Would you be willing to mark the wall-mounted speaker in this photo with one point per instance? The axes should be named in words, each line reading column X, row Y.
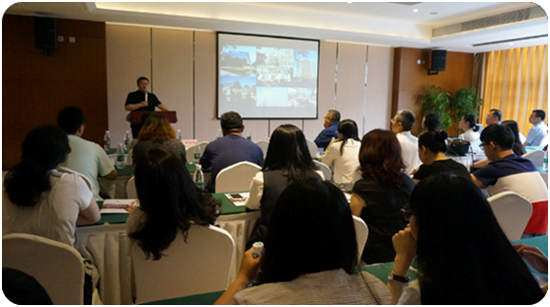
column 439, row 60
column 45, row 36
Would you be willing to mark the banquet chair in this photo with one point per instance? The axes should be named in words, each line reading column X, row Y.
column 56, row 266
column 131, row 191
column 361, row 234
column 129, row 159
column 536, row 156
column 190, row 152
column 199, row 264
column 312, row 147
column 512, row 212
column 236, row 178
column 263, row 144
column 544, row 177
column 325, row 169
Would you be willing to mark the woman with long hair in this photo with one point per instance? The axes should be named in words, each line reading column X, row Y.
column 287, row 160
column 468, row 124
column 463, row 256
column 169, row 202
column 156, row 132
column 431, row 151
column 47, row 200
column 381, row 193
column 341, row 154
column 310, row 254
column 518, row 147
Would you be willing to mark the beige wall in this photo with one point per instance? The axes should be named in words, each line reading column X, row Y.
column 184, row 79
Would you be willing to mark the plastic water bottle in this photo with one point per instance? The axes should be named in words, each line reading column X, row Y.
column 197, row 153
column 249, row 134
column 198, row 177
column 107, row 141
column 219, row 135
column 545, row 161
column 179, row 135
column 127, row 140
column 120, row 164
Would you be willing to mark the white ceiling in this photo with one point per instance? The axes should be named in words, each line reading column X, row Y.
column 379, row 23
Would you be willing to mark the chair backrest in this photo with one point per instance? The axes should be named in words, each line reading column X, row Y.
column 536, row 156
column 131, row 191
column 538, row 223
column 237, row 177
column 512, row 212
column 325, row 169
column 56, row 266
column 200, row 265
column 129, row 159
column 263, row 144
column 312, row 147
column 189, row 154
column 361, row 234
column 544, row 177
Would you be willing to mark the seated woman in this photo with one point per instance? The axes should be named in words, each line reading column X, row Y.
column 169, row 202
column 431, row 151
column 287, row 160
column 310, row 254
column 470, row 128
column 156, row 132
column 456, row 238
column 381, row 193
column 343, row 152
column 46, row 201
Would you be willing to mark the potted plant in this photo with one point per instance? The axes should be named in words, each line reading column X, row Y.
column 437, row 101
column 464, row 102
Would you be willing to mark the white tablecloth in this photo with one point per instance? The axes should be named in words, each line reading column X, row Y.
column 105, row 245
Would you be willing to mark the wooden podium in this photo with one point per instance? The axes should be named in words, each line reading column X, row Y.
column 134, row 117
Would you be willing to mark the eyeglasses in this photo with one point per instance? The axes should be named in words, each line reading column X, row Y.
column 407, row 212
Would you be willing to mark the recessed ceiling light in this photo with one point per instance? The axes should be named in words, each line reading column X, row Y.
column 511, row 43
column 415, row 10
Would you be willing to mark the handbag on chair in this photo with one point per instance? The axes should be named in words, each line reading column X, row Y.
column 458, row 147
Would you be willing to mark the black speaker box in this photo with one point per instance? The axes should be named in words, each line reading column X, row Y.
column 439, row 60
column 45, row 33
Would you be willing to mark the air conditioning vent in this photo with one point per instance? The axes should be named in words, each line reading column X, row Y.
column 535, row 12
column 510, row 40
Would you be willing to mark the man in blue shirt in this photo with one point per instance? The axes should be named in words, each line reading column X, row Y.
column 332, row 119
column 230, row 149
column 539, row 130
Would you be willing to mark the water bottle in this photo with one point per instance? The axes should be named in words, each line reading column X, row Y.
column 107, row 141
column 198, row 177
column 126, row 140
column 197, row 153
column 219, row 135
column 545, row 161
column 248, row 134
column 120, row 164
column 179, row 135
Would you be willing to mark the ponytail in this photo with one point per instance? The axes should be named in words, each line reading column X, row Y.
column 435, row 141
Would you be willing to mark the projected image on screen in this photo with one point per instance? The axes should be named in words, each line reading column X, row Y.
column 265, row 77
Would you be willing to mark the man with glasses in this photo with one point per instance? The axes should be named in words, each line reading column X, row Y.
column 332, row 119
column 539, row 131
column 509, row 172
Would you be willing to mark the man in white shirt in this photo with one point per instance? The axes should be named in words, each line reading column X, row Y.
column 539, row 131
column 86, row 158
column 401, row 125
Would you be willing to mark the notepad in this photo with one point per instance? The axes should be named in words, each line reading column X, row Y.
column 238, row 199
column 113, row 206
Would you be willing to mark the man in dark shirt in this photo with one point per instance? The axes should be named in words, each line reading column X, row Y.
column 142, row 100
column 332, row 119
column 230, row 149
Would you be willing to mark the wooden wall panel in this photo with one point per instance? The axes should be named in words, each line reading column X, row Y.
column 128, row 58
column 206, row 123
column 351, row 82
column 327, row 70
column 379, row 82
column 411, row 79
column 172, row 72
column 36, row 86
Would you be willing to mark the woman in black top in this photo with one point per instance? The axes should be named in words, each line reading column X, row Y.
column 431, row 151
column 381, row 193
column 518, row 148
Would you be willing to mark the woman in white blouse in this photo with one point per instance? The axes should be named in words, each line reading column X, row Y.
column 342, row 154
column 470, row 128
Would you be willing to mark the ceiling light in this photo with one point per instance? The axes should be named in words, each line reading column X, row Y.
column 511, row 43
column 415, row 10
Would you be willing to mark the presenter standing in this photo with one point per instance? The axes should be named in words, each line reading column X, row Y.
column 142, row 100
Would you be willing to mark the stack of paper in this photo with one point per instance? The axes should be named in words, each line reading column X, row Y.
column 118, row 206
column 238, row 199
